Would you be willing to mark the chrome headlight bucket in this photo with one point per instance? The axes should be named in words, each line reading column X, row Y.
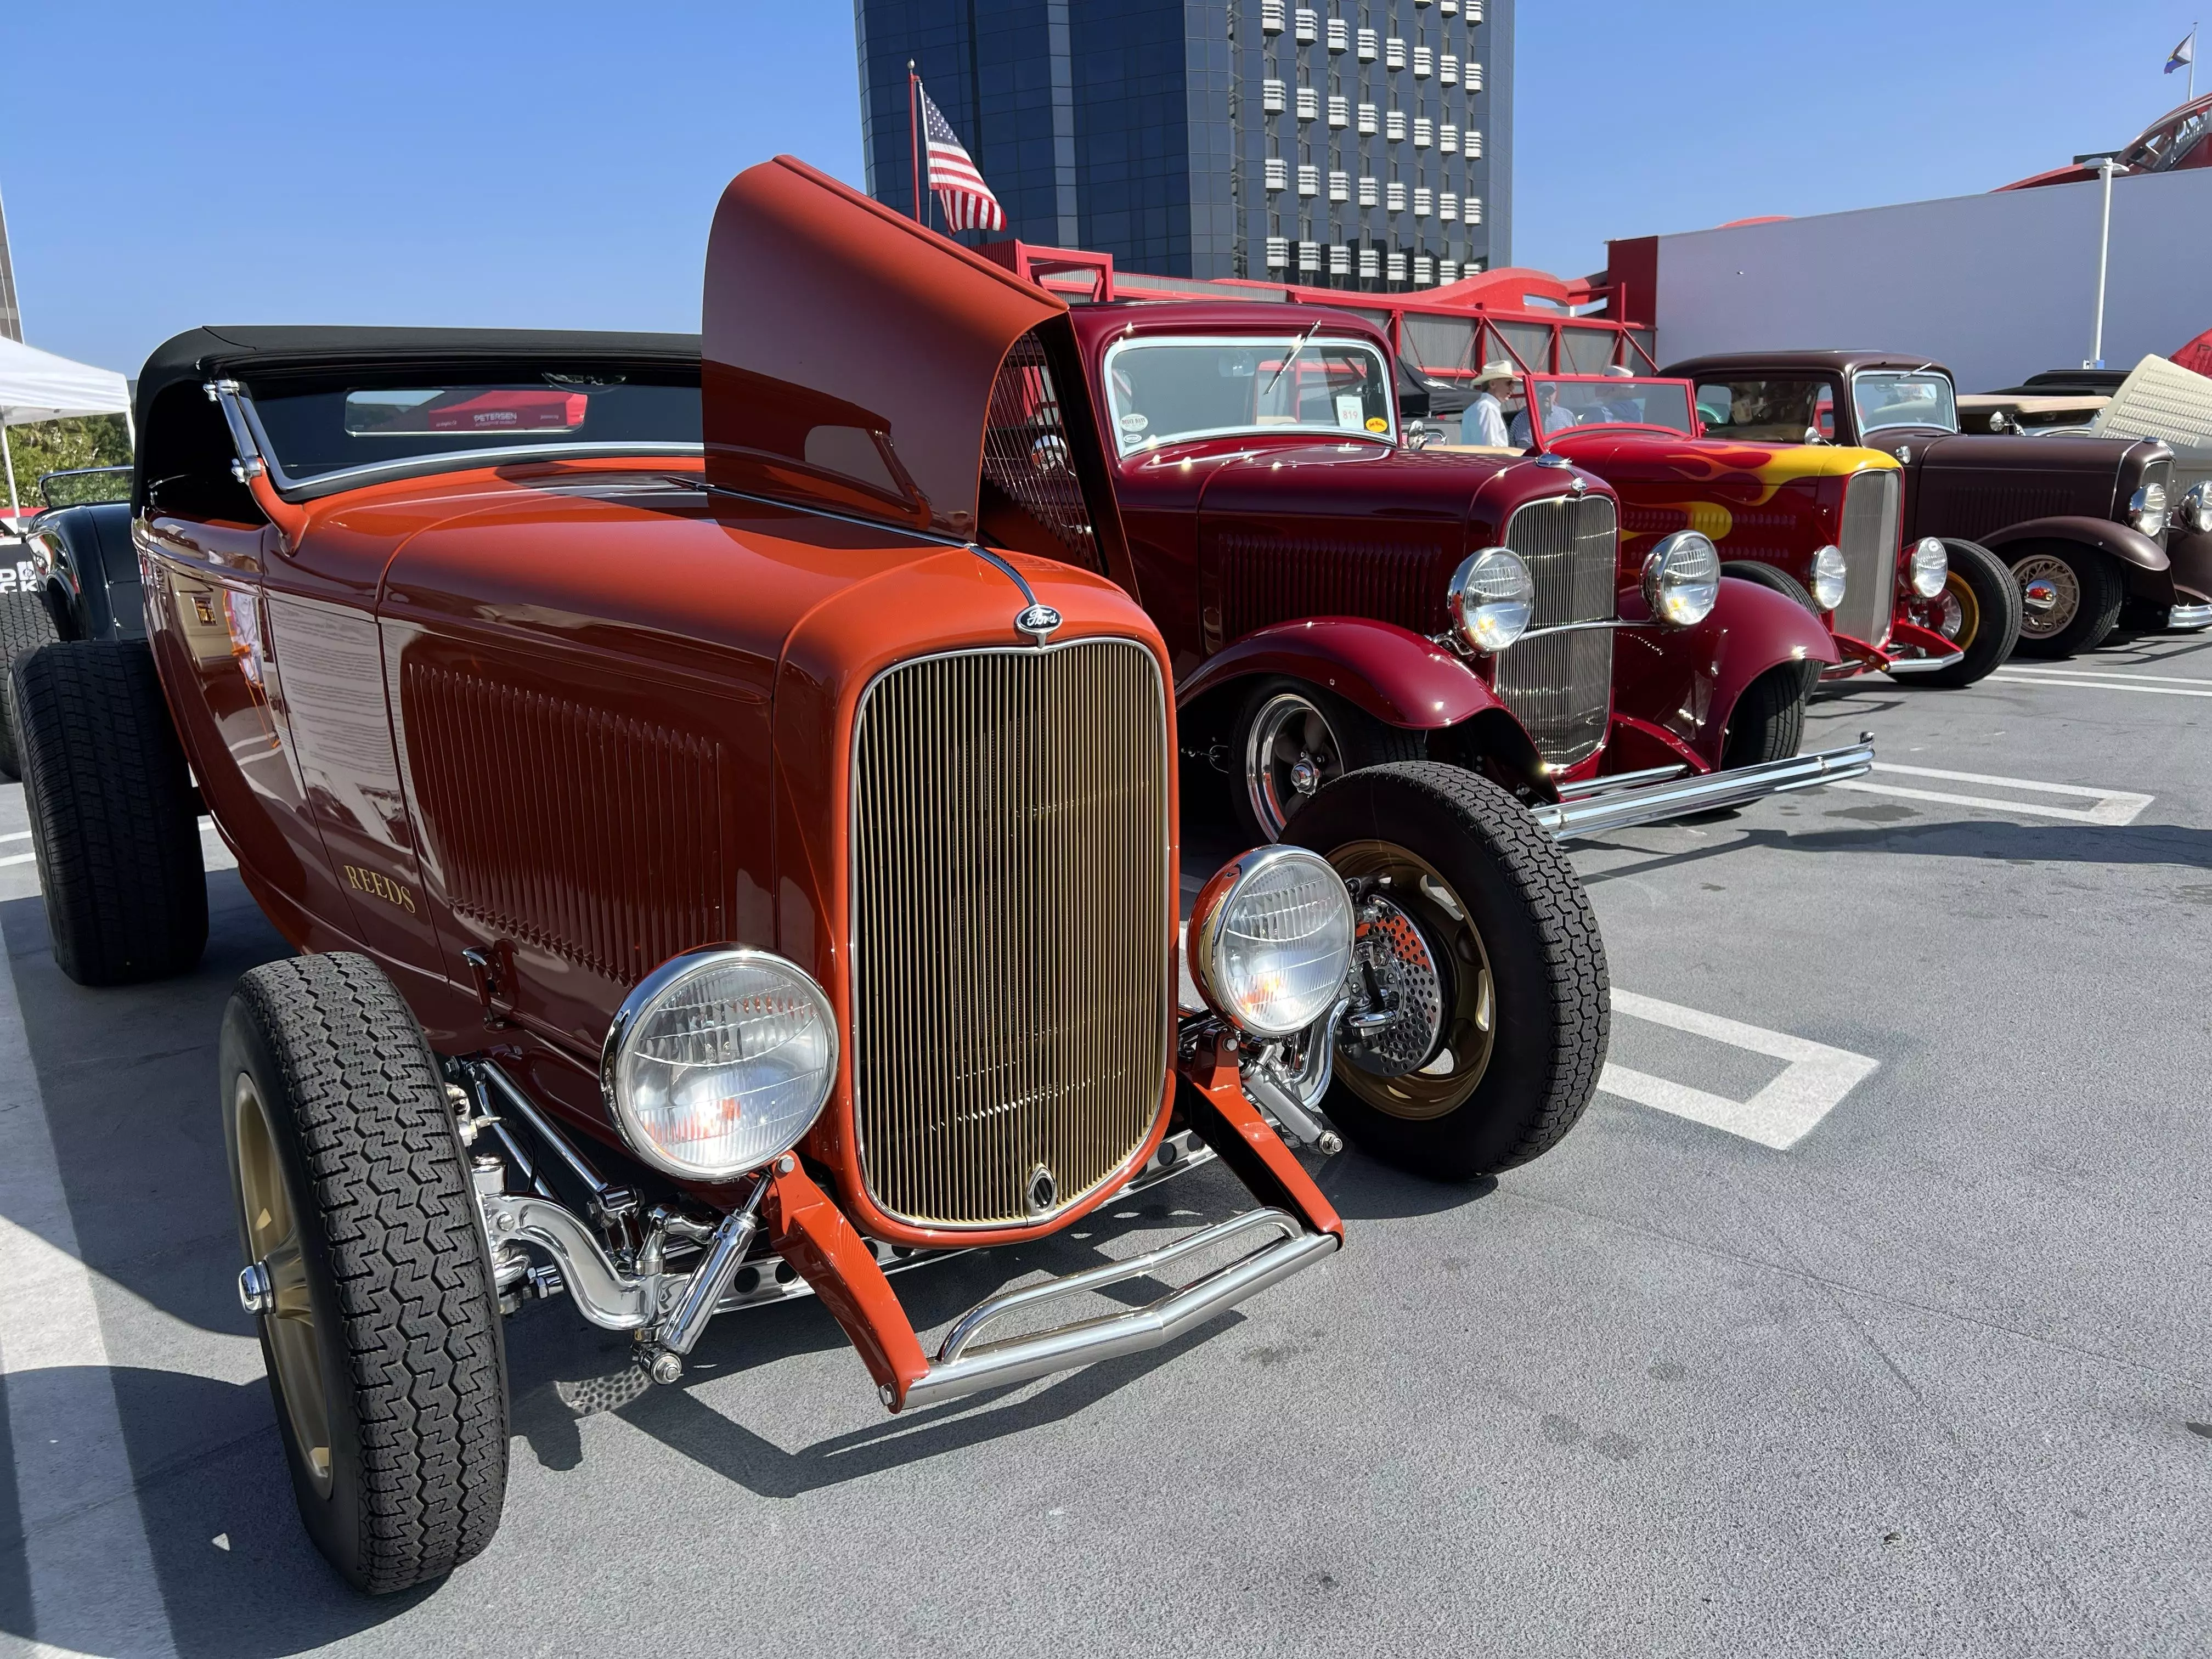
column 1829, row 572
column 1682, row 578
column 1929, row 567
column 1271, row 940
column 2147, row 508
column 2194, row 512
column 1490, row 598
column 717, row 1062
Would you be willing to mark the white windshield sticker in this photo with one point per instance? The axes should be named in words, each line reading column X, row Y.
column 1350, row 411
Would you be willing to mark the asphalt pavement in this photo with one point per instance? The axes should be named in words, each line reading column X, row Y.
column 1865, row 1312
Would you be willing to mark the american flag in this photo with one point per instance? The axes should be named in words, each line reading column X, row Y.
column 960, row 191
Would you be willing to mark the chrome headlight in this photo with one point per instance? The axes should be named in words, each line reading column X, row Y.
column 1929, row 568
column 2147, row 507
column 1271, row 940
column 1490, row 598
column 719, row 1061
column 2194, row 512
column 1682, row 578
column 1828, row 574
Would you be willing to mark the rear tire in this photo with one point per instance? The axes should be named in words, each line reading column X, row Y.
column 384, row 1349
column 1768, row 720
column 25, row 625
column 2070, row 598
column 1291, row 738
column 113, row 817
column 1509, row 1060
column 1987, row 599
column 1766, row 576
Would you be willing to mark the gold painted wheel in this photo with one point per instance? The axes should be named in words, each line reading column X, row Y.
column 1467, row 1025
column 272, row 1230
column 1958, row 613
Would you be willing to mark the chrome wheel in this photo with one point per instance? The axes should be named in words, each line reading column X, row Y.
column 275, row 1286
column 1958, row 613
column 1417, row 945
column 1289, row 752
column 2050, row 593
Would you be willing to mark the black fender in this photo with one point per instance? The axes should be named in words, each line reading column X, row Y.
column 2142, row 559
column 90, row 570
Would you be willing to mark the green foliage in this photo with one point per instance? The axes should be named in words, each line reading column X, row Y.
column 58, row 445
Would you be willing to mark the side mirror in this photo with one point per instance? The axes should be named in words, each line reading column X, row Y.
column 1813, row 435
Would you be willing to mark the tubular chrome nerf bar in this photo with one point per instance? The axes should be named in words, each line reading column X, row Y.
column 1619, row 809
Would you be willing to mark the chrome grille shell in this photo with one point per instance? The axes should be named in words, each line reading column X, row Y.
column 1872, row 502
column 1012, row 927
column 1560, row 686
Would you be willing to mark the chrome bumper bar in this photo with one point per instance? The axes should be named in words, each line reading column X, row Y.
column 1922, row 664
column 964, row 1367
column 1597, row 815
column 2189, row 618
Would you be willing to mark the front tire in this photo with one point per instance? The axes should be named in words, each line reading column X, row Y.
column 2070, row 599
column 1768, row 720
column 1980, row 614
column 382, row 1335
column 25, row 625
column 1778, row 581
column 113, row 819
column 1489, row 938
column 1291, row 738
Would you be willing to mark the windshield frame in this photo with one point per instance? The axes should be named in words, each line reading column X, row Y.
column 1317, row 339
column 1541, row 435
column 1927, row 372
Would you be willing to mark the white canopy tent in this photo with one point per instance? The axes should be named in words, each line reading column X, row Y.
column 37, row 386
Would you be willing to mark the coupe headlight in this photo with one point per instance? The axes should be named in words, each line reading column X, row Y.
column 2194, row 512
column 1490, row 598
column 1929, row 568
column 719, row 1061
column 1682, row 578
column 1828, row 575
column 1271, row 940
column 2148, row 507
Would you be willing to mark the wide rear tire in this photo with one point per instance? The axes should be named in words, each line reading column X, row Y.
column 25, row 625
column 1981, row 592
column 381, row 1330
column 1517, row 971
column 113, row 814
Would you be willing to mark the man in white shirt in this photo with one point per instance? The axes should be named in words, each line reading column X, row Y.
column 1483, row 421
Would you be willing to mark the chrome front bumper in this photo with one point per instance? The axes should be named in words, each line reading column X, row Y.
column 2189, row 618
column 1921, row 665
column 1618, row 808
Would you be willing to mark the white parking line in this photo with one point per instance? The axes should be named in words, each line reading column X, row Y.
column 2085, row 679
column 89, row 1570
column 1780, row 1114
column 2113, row 806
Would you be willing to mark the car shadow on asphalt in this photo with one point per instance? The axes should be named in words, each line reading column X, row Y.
column 2001, row 840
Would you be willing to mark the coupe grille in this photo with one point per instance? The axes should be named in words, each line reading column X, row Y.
column 1012, row 927
column 1869, row 544
column 1560, row 685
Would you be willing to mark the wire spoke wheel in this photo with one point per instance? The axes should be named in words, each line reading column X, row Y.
column 2050, row 595
column 272, row 1228
column 1449, row 947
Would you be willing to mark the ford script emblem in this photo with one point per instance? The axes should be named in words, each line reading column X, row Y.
column 1038, row 621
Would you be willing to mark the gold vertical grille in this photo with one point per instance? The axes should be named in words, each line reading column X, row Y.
column 1560, row 686
column 1011, row 929
column 1871, row 501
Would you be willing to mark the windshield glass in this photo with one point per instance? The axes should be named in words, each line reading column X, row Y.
column 1766, row 410
column 1905, row 400
column 334, row 428
column 1163, row 390
column 1612, row 401
column 86, row 484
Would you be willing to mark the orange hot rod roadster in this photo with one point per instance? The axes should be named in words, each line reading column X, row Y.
column 732, row 847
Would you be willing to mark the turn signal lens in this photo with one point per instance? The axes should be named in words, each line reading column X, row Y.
column 1682, row 579
column 1828, row 574
column 1271, row 940
column 1490, row 598
column 1930, row 568
column 719, row 1061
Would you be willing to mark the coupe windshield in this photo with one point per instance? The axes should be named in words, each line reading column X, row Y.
column 1905, row 400
column 1612, row 401
column 1766, row 410
column 1164, row 389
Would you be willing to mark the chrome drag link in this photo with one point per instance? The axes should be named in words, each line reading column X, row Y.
column 964, row 1367
column 1619, row 809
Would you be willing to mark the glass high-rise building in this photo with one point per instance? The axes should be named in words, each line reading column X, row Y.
column 1347, row 143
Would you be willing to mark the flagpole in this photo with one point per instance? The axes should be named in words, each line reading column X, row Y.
column 914, row 139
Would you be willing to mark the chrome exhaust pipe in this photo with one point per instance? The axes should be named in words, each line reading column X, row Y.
column 1597, row 815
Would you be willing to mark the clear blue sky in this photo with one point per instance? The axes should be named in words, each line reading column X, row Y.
column 555, row 164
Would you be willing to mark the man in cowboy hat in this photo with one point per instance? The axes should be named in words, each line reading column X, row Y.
column 1483, row 421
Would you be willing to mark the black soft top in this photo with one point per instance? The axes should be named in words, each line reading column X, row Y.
column 306, row 353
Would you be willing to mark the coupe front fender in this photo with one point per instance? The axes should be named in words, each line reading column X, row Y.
column 1392, row 672
column 1687, row 680
column 2192, row 557
column 2122, row 541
